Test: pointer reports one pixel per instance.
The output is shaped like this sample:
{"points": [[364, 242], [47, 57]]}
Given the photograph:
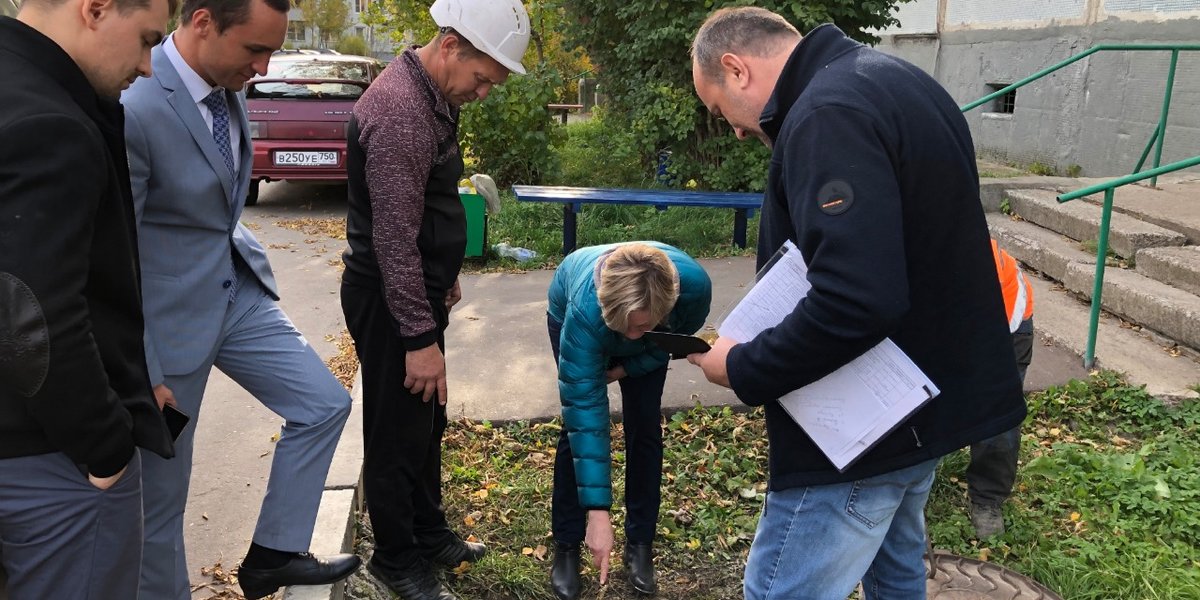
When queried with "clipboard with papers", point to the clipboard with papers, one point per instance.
{"points": [[848, 411]]}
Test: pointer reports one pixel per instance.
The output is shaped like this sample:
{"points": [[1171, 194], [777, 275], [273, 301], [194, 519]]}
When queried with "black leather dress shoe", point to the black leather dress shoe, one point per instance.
{"points": [[454, 552], [301, 569], [639, 561], [417, 582], [564, 573]]}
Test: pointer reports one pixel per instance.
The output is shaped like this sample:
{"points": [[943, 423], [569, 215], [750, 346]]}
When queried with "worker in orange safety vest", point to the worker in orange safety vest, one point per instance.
{"points": [[993, 467]]}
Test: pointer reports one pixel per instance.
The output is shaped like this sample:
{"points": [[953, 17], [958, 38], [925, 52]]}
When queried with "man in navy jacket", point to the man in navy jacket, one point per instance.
{"points": [[873, 177]]}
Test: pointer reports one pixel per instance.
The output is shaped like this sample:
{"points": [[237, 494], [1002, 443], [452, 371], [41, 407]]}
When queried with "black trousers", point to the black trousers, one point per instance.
{"points": [[993, 468], [402, 435], [641, 407]]}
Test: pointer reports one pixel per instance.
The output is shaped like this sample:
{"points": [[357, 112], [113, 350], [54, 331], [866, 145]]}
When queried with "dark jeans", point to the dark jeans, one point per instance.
{"points": [[402, 435], [641, 407], [993, 468]]}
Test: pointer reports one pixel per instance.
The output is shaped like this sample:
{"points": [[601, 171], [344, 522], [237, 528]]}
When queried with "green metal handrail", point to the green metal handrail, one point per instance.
{"points": [[1089, 357], [1160, 132]]}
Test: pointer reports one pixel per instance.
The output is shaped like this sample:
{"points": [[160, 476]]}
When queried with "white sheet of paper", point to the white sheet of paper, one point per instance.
{"points": [[848, 411]]}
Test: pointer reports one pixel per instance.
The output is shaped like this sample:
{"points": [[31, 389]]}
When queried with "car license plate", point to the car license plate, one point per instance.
{"points": [[305, 159]]}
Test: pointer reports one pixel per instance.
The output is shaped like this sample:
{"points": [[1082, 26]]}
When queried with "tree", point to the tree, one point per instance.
{"points": [[640, 48], [329, 17]]}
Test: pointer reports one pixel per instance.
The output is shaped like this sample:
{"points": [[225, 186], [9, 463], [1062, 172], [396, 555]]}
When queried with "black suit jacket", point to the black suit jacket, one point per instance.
{"points": [[72, 366]]}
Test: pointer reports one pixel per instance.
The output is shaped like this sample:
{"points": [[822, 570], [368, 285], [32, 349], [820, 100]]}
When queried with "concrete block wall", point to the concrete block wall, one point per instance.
{"points": [[1098, 113]]}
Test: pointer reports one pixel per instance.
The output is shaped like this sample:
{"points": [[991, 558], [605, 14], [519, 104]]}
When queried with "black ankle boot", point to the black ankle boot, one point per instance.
{"points": [[639, 561], [564, 574]]}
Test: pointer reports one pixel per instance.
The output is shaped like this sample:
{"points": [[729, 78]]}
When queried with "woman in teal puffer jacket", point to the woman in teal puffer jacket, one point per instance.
{"points": [[602, 299]]}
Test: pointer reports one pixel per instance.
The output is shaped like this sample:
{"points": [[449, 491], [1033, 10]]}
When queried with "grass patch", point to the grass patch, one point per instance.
{"points": [[1107, 503], [1108, 497], [1111, 259]]}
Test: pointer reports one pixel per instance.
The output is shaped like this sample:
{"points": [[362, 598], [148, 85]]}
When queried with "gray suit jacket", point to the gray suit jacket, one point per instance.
{"points": [[187, 205]]}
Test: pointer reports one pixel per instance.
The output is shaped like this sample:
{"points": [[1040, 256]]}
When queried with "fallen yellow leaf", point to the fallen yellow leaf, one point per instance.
{"points": [[1075, 516]]}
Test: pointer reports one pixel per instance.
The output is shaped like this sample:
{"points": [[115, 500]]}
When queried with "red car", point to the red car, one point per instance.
{"points": [[298, 114]]}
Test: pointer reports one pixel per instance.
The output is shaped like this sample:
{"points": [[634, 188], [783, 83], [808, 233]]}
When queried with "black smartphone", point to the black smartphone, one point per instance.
{"points": [[677, 345], [176, 420]]}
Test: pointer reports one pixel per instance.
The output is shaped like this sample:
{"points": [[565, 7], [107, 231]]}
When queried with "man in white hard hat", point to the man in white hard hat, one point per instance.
{"points": [[407, 234]]}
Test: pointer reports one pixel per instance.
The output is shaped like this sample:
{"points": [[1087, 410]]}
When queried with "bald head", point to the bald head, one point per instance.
{"points": [[745, 31]]}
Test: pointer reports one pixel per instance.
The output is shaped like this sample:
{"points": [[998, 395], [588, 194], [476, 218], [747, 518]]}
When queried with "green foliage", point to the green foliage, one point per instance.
{"points": [[641, 48], [353, 44], [1074, 170], [1038, 168], [330, 17], [1006, 207], [408, 21], [509, 134], [1107, 503], [596, 152]]}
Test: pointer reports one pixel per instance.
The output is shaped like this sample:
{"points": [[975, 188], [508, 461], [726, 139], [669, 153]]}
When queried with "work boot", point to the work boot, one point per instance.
{"points": [[987, 520], [564, 573], [639, 562]]}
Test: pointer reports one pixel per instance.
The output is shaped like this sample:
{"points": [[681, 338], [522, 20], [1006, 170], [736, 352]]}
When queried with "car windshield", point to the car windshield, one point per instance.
{"points": [[319, 69]]}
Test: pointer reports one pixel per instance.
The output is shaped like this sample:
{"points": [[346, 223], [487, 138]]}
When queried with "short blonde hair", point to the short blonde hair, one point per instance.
{"points": [[636, 277]]}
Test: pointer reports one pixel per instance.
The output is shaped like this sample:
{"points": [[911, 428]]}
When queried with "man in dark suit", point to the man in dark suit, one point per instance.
{"points": [[75, 396]]}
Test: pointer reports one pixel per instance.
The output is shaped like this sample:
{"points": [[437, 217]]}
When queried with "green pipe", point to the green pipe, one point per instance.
{"points": [[1120, 181], [1088, 52], [1033, 77], [1149, 146], [1162, 120], [1089, 357]]}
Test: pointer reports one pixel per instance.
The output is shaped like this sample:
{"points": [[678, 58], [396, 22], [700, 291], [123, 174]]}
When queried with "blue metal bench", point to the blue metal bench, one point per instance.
{"points": [[573, 199]]}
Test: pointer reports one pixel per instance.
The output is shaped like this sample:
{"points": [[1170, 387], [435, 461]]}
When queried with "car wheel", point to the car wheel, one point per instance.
{"points": [[252, 192]]}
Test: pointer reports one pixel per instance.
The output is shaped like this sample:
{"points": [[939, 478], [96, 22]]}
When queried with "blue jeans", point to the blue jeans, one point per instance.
{"points": [[817, 543]]}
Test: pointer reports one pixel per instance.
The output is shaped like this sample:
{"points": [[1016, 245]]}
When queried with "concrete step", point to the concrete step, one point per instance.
{"points": [[1062, 318], [1040, 248], [1081, 221], [1175, 266], [1174, 206], [1142, 300]]}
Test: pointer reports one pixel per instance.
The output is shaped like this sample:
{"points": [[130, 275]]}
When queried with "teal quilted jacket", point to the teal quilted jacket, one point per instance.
{"points": [[586, 347]]}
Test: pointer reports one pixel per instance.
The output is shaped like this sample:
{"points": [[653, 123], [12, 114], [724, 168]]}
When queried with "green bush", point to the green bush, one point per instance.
{"points": [[641, 50], [353, 44], [598, 152], [509, 134]]}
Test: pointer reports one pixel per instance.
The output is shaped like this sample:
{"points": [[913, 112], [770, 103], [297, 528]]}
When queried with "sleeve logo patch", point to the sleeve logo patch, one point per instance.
{"points": [[835, 197]]}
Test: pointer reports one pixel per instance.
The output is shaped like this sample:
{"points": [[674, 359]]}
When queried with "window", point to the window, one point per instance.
{"points": [[1004, 104], [295, 31], [362, 5]]}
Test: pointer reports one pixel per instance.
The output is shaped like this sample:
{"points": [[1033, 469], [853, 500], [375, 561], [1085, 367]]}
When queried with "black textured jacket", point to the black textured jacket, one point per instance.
{"points": [[72, 366], [873, 177]]}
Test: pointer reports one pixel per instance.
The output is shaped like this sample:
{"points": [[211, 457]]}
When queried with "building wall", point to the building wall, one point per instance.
{"points": [[1097, 114], [301, 35]]}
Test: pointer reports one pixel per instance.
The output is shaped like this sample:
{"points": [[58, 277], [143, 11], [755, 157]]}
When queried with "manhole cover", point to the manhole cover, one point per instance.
{"points": [[961, 578]]}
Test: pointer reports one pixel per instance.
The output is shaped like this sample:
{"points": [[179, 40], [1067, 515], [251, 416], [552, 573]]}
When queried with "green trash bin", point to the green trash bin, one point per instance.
{"points": [[476, 222]]}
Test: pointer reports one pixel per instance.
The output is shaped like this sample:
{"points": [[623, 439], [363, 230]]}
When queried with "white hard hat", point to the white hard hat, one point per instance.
{"points": [[498, 28]]}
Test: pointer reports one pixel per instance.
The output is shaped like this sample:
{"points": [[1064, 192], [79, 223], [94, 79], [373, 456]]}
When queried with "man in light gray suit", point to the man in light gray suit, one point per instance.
{"points": [[210, 297]]}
